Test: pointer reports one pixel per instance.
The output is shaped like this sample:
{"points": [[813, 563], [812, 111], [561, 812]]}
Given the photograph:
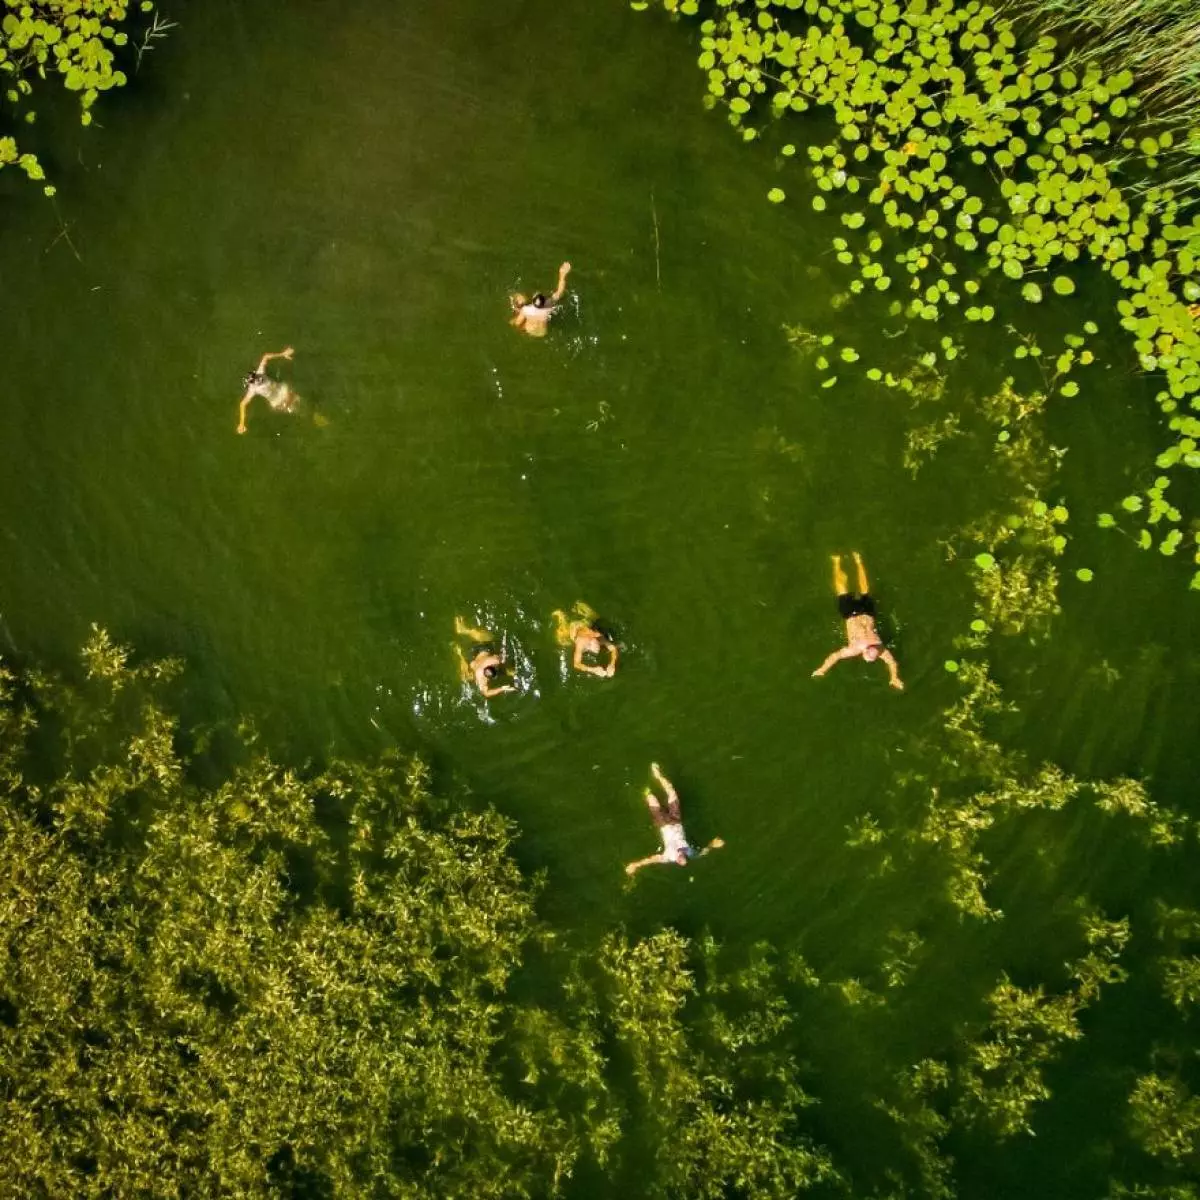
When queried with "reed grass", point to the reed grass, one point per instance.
{"points": [[1158, 41]]}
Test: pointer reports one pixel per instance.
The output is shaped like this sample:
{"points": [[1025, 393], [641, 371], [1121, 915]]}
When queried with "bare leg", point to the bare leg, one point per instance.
{"points": [[656, 812], [669, 788], [465, 630], [863, 586], [840, 584]]}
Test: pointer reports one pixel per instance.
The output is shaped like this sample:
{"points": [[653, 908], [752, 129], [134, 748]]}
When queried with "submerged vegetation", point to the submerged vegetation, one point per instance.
{"points": [[77, 43], [278, 981], [265, 979], [973, 165], [286, 980]]}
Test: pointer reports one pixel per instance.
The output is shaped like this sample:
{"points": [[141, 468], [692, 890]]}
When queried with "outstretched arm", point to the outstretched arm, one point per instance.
{"points": [[286, 352], [893, 670], [715, 844], [614, 654], [835, 657], [242, 411], [489, 692], [563, 272], [604, 672], [649, 861]]}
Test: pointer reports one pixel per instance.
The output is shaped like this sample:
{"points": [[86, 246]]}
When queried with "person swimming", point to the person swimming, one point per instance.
{"points": [[276, 393], [676, 851], [533, 315], [858, 611], [483, 664], [586, 638]]}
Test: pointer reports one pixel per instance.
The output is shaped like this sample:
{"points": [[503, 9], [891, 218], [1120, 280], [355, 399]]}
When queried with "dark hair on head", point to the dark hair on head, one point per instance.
{"points": [[539, 300], [491, 671], [251, 377]]}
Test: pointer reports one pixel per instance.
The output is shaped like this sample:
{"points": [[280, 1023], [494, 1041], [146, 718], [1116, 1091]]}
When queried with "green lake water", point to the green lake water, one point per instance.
{"points": [[367, 182]]}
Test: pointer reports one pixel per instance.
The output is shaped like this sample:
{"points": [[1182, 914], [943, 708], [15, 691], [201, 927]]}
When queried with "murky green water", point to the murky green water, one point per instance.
{"points": [[367, 182]]}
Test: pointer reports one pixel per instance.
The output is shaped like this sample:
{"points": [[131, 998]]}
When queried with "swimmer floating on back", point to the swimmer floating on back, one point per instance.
{"points": [[533, 316], [586, 637], [481, 661], [858, 611], [669, 822], [276, 393]]}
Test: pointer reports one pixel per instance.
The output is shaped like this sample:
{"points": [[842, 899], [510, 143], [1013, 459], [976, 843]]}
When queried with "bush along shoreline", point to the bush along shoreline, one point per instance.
{"points": [[974, 166]]}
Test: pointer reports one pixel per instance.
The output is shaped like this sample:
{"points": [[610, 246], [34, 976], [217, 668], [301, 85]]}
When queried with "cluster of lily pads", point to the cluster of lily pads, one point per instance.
{"points": [[78, 42], [958, 157]]}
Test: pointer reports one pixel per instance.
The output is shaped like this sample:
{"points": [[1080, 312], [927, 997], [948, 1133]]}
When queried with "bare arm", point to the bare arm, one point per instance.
{"points": [[836, 657], [649, 861], [893, 670], [286, 352], [563, 272], [489, 691], [242, 411], [595, 669], [614, 654], [715, 844]]}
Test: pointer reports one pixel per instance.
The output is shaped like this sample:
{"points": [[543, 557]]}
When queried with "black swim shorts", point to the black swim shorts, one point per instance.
{"points": [[855, 606]]}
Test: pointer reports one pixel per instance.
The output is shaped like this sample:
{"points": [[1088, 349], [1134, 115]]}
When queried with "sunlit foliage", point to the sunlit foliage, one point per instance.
{"points": [[298, 979], [972, 162], [76, 43]]}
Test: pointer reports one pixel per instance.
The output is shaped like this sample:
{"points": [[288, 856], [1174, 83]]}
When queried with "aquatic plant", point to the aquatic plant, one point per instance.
{"points": [[985, 159], [279, 980], [273, 979], [77, 41], [720, 1118], [1165, 1118], [923, 442], [1158, 39], [1003, 1075]]}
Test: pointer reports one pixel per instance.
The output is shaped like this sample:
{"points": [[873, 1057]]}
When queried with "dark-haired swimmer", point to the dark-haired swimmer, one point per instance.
{"points": [[586, 637], [668, 821], [482, 663], [533, 315], [858, 611], [257, 383]]}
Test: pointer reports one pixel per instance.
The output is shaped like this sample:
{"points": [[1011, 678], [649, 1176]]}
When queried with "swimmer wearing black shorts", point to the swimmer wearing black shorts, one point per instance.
{"points": [[857, 609]]}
